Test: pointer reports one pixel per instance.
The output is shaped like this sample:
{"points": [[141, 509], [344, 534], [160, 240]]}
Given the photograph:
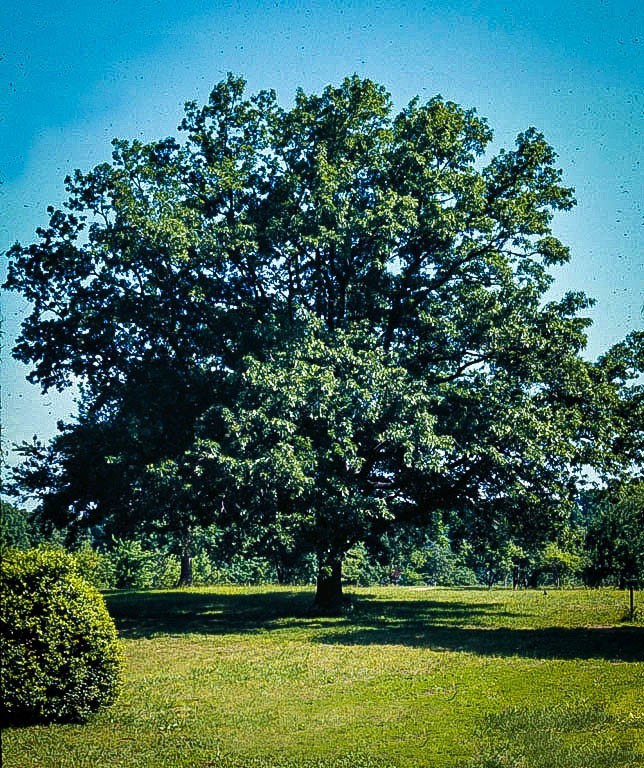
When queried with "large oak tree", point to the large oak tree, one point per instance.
{"points": [[316, 322]]}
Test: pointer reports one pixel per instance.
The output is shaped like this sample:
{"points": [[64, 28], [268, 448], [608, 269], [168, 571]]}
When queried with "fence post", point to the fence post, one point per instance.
{"points": [[631, 598]]}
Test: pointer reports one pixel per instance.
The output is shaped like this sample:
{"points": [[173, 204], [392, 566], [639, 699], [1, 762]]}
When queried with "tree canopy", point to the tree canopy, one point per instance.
{"points": [[318, 322]]}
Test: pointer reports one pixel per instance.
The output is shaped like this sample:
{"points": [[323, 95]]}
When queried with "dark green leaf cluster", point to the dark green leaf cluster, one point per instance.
{"points": [[14, 527], [615, 535]]}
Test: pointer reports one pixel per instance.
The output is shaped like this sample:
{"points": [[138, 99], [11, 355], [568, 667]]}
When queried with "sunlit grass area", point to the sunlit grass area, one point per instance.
{"points": [[234, 677]]}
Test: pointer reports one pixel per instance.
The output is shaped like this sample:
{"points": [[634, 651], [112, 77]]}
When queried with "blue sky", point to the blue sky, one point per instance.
{"points": [[75, 74]]}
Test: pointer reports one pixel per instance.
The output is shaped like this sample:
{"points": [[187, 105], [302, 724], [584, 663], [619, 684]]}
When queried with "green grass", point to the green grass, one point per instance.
{"points": [[236, 677]]}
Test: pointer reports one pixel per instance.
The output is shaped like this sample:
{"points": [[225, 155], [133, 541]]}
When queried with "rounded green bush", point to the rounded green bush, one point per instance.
{"points": [[61, 658]]}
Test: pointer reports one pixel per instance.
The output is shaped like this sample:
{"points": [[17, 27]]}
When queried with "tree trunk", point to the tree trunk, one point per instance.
{"points": [[185, 576], [282, 573], [328, 595], [284, 563]]}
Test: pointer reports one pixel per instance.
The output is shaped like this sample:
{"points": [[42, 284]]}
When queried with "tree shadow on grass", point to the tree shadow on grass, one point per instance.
{"points": [[145, 614], [479, 628], [610, 643], [461, 627]]}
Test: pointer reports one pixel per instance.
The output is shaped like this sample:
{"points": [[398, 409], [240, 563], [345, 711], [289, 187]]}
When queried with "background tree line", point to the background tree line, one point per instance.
{"points": [[603, 545]]}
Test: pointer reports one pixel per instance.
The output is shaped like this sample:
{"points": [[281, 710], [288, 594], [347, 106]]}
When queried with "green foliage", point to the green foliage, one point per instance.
{"points": [[243, 570], [95, 567], [615, 534], [431, 560], [144, 563], [315, 324], [14, 526], [500, 559], [359, 568], [136, 567], [560, 566], [223, 557], [61, 659]]}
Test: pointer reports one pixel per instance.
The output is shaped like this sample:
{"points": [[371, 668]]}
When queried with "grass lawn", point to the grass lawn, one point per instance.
{"points": [[234, 677]]}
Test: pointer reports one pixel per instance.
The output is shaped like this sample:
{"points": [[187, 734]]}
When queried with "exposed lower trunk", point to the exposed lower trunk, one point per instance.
{"points": [[283, 575], [328, 594], [532, 580], [185, 575], [285, 567]]}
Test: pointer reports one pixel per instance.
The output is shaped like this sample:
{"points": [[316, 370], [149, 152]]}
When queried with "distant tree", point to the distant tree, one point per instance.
{"points": [[314, 324], [14, 526], [496, 559], [560, 565], [615, 534]]}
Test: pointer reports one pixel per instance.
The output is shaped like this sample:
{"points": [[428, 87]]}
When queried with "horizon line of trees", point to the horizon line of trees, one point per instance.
{"points": [[603, 545]]}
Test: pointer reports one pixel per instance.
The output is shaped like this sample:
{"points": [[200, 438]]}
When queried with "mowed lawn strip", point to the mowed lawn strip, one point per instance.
{"points": [[230, 677]]}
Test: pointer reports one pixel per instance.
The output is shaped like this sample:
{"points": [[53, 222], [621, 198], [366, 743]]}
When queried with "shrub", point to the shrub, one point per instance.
{"points": [[137, 566], [61, 659], [360, 568], [559, 566], [462, 576], [244, 569], [95, 567]]}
